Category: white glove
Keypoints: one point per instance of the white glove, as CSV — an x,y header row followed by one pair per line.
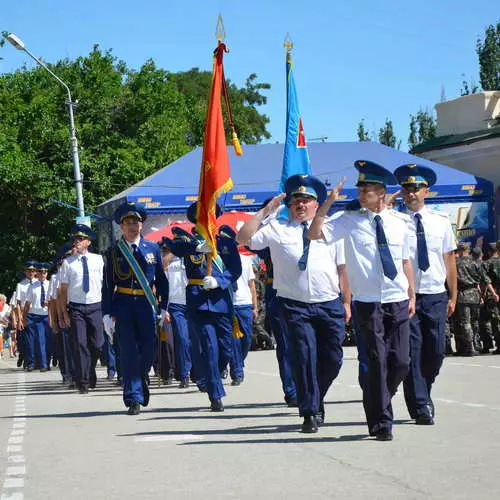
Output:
x,y
209,283
203,247
109,325
164,318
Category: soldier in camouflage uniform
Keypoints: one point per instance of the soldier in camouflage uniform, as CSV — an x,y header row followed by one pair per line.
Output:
x,y
469,276
490,321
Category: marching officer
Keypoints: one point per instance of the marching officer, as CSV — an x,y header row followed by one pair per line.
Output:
x,y
245,306
177,280
80,286
37,314
210,304
380,274
133,266
432,248
20,297
309,278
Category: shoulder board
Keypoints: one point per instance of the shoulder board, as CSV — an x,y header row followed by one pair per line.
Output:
x,y
440,213
400,215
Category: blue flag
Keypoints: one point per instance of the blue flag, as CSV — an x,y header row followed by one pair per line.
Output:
x,y
295,156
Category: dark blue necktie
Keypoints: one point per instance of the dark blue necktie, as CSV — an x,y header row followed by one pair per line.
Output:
x,y
422,254
138,256
306,242
86,280
385,254
42,296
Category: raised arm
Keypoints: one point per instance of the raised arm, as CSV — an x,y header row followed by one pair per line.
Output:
x,y
316,228
251,226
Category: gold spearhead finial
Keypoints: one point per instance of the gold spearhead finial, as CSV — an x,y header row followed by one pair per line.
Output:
x,y
288,44
220,32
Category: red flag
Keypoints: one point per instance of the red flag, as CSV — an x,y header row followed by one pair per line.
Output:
x,y
215,177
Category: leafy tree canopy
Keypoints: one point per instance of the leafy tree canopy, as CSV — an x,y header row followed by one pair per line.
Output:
x,y
130,123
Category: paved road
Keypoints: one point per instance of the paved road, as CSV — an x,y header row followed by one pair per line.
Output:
x,y
55,443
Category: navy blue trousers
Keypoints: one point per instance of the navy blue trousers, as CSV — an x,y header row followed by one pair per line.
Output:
x,y
87,337
283,348
36,352
427,351
360,346
214,331
244,315
385,332
136,334
109,356
197,367
182,342
317,332
65,355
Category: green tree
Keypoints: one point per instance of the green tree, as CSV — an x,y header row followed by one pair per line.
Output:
x,y
386,135
488,51
422,128
250,123
363,134
129,124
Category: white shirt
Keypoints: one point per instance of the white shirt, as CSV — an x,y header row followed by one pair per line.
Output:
x,y
4,314
243,295
53,284
13,300
177,281
440,239
71,274
22,290
363,265
34,296
319,282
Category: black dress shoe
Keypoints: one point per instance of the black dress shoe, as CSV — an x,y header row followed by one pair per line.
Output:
x,y
83,390
310,425
145,392
237,381
202,388
320,416
184,383
424,420
291,401
384,435
216,405
19,362
71,385
134,409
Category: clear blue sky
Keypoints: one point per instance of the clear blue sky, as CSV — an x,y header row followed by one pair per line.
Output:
x,y
353,59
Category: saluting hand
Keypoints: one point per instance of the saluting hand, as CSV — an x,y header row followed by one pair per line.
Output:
x,y
273,205
391,198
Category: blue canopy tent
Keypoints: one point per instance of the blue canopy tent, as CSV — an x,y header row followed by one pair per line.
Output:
x,y
257,173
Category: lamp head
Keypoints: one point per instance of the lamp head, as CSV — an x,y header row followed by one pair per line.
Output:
x,y
16,41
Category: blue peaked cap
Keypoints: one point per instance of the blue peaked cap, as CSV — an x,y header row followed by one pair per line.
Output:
x,y
372,173
228,231
191,212
305,185
82,231
415,175
129,209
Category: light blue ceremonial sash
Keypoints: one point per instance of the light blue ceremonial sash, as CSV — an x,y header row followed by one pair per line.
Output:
x,y
139,273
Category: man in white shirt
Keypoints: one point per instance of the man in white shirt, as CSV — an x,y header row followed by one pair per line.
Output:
x,y
177,309
37,315
432,250
376,242
19,297
81,277
245,308
309,278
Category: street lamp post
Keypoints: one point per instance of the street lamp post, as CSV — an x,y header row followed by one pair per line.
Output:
x,y
19,44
